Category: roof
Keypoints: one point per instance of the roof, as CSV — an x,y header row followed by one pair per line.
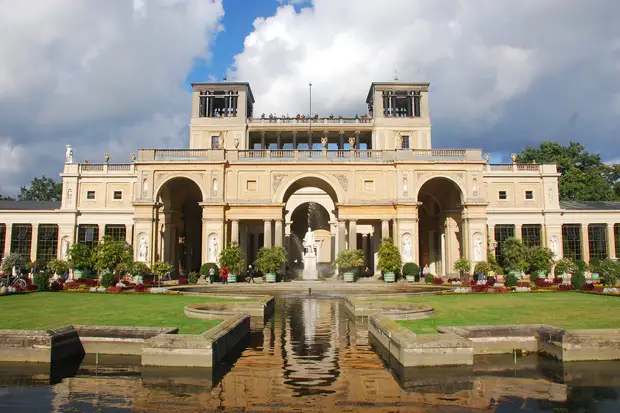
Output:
x,y
591,205
394,83
29,205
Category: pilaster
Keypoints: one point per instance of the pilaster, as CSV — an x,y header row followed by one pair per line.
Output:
x,y
267,233
7,238
352,235
585,245
278,233
234,231
34,242
611,241
342,227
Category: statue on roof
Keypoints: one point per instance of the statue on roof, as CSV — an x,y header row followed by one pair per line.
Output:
x,y
68,154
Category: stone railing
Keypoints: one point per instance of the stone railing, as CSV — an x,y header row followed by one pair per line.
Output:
x,y
516,167
97,168
163,155
317,121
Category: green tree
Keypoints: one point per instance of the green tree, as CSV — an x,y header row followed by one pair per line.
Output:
x,y
584,177
6,198
41,189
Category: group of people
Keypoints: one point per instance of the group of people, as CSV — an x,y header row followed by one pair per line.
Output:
x,y
224,274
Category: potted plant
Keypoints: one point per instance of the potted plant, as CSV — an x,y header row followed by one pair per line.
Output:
x,y
483,267
390,260
514,256
232,257
347,261
540,261
80,259
565,266
138,270
58,267
463,266
269,261
160,269
412,272
608,270
13,260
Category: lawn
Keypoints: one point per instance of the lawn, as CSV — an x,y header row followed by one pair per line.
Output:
x,y
564,310
47,310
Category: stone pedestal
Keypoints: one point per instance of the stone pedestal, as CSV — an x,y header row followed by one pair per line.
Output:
x,y
310,272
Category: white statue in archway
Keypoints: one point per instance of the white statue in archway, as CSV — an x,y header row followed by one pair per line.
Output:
x,y
64,249
213,249
309,242
143,249
478,247
407,250
554,246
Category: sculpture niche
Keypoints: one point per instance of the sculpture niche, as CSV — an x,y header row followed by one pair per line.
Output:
x,y
311,246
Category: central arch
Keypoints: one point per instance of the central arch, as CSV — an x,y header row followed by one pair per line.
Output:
x,y
329,185
439,224
179,223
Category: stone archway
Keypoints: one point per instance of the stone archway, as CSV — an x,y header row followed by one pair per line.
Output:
x,y
439,226
179,223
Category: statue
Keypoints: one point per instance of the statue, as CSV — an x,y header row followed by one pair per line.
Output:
x,y
236,142
352,142
214,187
309,242
550,195
513,156
475,187
324,141
69,195
554,246
133,157
407,247
213,249
487,156
405,187
106,158
143,249
68,154
221,141
477,246
64,249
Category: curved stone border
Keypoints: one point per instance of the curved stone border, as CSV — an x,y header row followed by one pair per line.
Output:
x,y
369,305
259,307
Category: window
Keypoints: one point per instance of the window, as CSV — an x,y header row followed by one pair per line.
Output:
x,y
530,235
502,232
218,103
401,103
118,195
529,194
88,235
503,195
405,142
47,242
90,194
2,239
21,239
597,241
215,142
251,186
571,241
369,186
616,231
117,232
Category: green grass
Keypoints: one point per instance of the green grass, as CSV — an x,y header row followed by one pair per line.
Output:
x,y
564,310
47,310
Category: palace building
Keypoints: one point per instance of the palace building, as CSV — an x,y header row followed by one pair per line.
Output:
x,y
264,180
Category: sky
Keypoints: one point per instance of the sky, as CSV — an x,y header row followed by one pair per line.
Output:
x,y
113,76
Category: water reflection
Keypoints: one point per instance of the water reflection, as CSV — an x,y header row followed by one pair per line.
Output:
x,y
311,357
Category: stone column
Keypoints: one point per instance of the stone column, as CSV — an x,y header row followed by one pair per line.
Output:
x,y
279,233
365,248
352,234
295,140
447,264
234,231
518,232
128,235
585,245
395,233
385,229
101,232
34,242
8,235
341,144
262,140
254,252
492,238
611,241
342,226
267,233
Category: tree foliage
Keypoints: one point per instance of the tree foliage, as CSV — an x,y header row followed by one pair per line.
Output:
x,y
41,189
584,177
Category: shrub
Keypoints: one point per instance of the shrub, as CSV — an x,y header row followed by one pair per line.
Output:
x,y
204,270
42,281
89,282
182,281
478,288
523,284
232,257
428,278
193,277
389,256
348,260
31,287
59,267
539,259
437,280
463,266
483,267
608,270
13,260
141,288
269,260
565,287
411,268
56,285
160,269
511,280
565,265
138,269
108,279
71,285
114,289
514,255
587,287
80,257
543,282
578,279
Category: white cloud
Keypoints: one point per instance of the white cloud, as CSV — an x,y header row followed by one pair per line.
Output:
x,y
521,68
98,74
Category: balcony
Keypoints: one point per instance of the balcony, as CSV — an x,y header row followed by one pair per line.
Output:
x,y
315,121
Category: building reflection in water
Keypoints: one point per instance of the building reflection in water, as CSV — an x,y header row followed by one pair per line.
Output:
x,y
311,357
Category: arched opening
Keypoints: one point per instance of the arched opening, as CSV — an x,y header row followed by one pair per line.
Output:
x,y
312,215
439,227
179,224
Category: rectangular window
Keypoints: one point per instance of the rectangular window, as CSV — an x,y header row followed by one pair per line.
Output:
x,y
117,232
597,241
215,142
503,195
529,194
571,241
90,194
369,186
118,195
617,232
2,239
88,235
530,235
502,232
251,186
21,240
47,242
405,143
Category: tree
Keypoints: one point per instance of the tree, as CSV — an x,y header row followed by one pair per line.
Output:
x,y
41,189
584,177
6,198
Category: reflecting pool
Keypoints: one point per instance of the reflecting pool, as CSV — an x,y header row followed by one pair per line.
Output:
x,y
311,357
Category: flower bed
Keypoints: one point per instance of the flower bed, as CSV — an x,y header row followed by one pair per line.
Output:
x,y
543,282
